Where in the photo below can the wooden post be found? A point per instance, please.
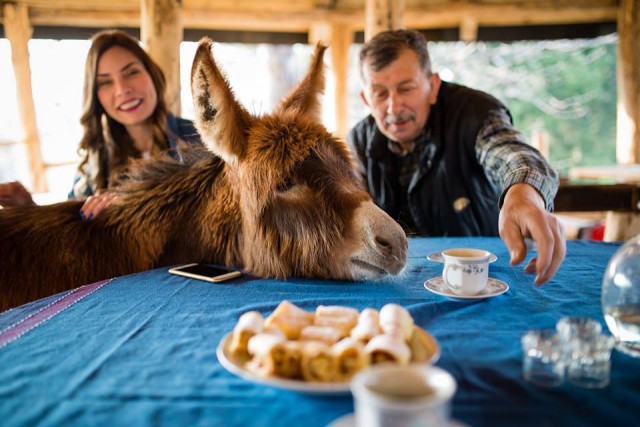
(341, 40)
(382, 15)
(468, 29)
(161, 30)
(628, 121)
(339, 37)
(18, 30)
(621, 226)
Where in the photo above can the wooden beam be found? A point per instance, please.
(320, 32)
(449, 15)
(382, 15)
(441, 15)
(597, 197)
(18, 30)
(628, 110)
(295, 21)
(161, 32)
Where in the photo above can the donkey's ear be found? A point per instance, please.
(220, 119)
(305, 98)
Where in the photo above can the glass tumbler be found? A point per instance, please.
(590, 365)
(542, 358)
(572, 330)
(570, 327)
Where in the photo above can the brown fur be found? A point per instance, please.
(279, 197)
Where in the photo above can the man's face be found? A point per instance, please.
(400, 97)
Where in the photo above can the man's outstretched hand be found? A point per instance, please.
(523, 215)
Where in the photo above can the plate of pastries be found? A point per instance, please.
(318, 352)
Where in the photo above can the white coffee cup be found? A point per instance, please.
(391, 395)
(466, 270)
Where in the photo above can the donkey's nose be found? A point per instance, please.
(391, 242)
(388, 240)
(383, 245)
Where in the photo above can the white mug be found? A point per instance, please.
(466, 270)
(392, 395)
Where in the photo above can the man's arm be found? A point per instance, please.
(528, 186)
(508, 160)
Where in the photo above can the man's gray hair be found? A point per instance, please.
(385, 47)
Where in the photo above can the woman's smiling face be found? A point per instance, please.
(125, 88)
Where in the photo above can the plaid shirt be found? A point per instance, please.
(507, 159)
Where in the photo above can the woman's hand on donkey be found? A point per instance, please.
(96, 203)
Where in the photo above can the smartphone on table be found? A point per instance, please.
(205, 272)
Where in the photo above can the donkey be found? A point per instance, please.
(276, 195)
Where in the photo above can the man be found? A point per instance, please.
(444, 160)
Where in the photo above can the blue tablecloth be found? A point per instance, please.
(140, 350)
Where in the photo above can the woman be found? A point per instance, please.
(123, 117)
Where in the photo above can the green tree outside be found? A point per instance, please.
(566, 88)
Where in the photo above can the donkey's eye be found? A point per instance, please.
(285, 185)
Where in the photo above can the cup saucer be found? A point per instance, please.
(493, 288)
(437, 257)
(349, 421)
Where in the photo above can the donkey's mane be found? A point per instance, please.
(142, 175)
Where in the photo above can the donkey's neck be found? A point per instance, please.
(184, 213)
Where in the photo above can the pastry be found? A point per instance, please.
(318, 363)
(388, 348)
(290, 319)
(249, 324)
(326, 334)
(367, 326)
(350, 357)
(396, 320)
(344, 318)
(272, 355)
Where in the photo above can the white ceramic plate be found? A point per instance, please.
(424, 347)
(493, 288)
(437, 257)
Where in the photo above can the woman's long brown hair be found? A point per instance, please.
(105, 143)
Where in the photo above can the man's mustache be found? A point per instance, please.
(393, 119)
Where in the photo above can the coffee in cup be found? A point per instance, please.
(466, 270)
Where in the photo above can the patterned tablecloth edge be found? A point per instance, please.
(33, 320)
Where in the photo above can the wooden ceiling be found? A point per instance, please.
(300, 16)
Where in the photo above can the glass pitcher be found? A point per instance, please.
(621, 297)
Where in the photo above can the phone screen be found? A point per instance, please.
(205, 272)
